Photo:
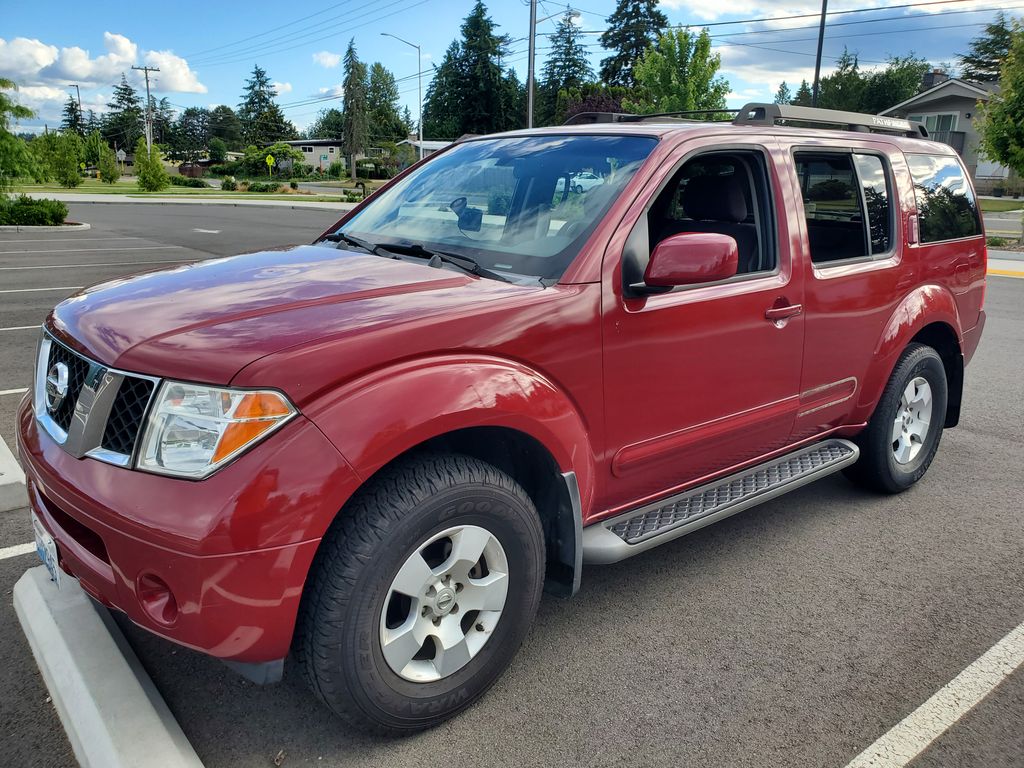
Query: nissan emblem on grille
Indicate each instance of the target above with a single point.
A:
(56, 386)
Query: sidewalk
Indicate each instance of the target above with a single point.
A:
(71, 197)
(1005, 263)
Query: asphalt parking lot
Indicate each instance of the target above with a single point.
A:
(794, 634)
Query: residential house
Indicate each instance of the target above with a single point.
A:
(948, 107)
(319, 153)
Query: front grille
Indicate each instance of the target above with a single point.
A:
(78, 370)
(126, 415)
(103, 409)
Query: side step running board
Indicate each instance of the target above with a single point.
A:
(641, 529)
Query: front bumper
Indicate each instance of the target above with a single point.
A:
(232, 551)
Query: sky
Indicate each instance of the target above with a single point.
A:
(205, 51)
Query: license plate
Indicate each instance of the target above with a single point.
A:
(46, 548)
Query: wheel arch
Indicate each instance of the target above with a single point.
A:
(942, 338)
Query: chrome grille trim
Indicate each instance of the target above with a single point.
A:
(84, 435)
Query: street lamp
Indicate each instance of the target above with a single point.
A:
(419, 83)
(534, 21)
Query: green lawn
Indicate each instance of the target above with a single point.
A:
(95, 187)
(998, 206)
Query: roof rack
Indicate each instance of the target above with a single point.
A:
(769, 114)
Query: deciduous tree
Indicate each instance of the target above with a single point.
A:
(1002, 119)
(150, 171)
(15, 158)
(679, 74)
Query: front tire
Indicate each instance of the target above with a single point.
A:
(422, 592)
(900, 441)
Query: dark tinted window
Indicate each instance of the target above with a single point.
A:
(946, 208)
(875, 184)
(846, 203)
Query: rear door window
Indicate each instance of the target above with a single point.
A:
(946, 208)
(847, 205)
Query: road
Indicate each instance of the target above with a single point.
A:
(794, 634)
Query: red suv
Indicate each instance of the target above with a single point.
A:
(373, 452)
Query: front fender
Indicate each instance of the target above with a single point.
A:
(377, 417)
(925, 305)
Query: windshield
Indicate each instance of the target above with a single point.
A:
(518, 205)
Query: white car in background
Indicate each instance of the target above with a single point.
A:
(584, 182)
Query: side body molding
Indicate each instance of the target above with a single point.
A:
(377, 417)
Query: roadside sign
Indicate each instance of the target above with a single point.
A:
(270, 160)
(82, 166)
(323, 158)
(121, 155)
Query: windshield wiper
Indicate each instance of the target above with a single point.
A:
(465, 263)
(366, 245)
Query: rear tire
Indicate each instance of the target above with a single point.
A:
(900, 441)
(369, 590)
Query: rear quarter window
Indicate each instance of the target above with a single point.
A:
(946, 208)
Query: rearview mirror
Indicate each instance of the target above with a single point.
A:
(470, 218)
(690, 258)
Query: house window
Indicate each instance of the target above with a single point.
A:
(946, 121)
(330, 150)
(307, 150)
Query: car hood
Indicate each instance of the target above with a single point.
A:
(207, 320)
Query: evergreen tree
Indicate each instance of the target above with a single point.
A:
(123, 123)
(567, 68)
(408, 124)
(356, 123)
(72, 120)
(225, 125)
(679, 74)
(482, 89)
(844, 87)
(163, 120)
(150, 171)
(191, 135)
(217, 150)
(262, 121)
(804, 95)
(91, 122)
(783, 95)
(442, 105)
(382, 104)
(513, 102)
(987, 53)
(634, 26)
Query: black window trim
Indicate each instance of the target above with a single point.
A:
(770, 224)
(895, 232)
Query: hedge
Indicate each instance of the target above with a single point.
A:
(187, 181)
(28, 212)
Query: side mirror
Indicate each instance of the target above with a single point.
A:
(691, 258)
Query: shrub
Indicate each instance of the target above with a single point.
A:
(152, 176)
(263, 186)
(997, 242)
(218, 150)
(25, 211)
(293, 184)
(229, 184)
(109, 170)
(185, 181)
(225, 169)
(336, 169)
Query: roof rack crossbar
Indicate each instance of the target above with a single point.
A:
(770, 114)
(757, 114)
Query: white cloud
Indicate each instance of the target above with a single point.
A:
(76, 64)
(22, 58)
(331, 90)
(175, 74)
(280, 88)
(326, 59)
(711, 10)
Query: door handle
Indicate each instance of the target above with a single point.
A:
(779, 314)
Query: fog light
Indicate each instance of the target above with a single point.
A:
(156, 598)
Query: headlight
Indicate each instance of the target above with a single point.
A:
(192, 430)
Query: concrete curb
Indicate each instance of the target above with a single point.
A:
(113, 714)
(13, 494)
(71, 226)
(127, 200)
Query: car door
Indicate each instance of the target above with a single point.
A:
(704, 378)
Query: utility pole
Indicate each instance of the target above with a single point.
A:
(79, 96)
(530, 66)
(817, 61)
(419, 82)
(149, 107)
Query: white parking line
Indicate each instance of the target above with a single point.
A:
(104, 250)
(18, 328)
(17, 550)
(99, 264)
(908, 739)
(34, 290)
(70, 239)
(21, 391)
